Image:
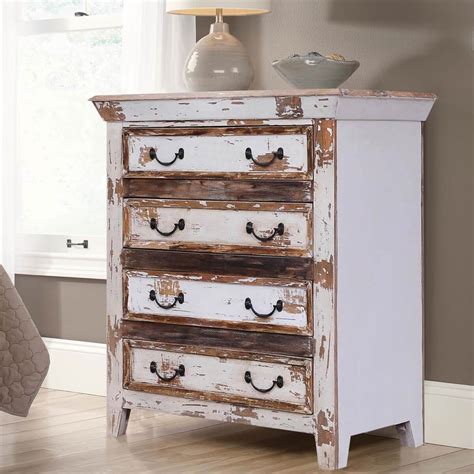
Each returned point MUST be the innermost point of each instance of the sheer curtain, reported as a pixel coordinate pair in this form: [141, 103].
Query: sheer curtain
[155, 46]
[9, 14]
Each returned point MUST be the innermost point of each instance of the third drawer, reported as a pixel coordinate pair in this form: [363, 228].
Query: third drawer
[255, 304]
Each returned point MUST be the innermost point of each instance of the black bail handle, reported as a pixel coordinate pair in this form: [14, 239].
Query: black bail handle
[179, 372]
[276, 307]
[177, 156]
[178, 226]
[276, 383]
[279, 230]
[177, 299]
[279, 154]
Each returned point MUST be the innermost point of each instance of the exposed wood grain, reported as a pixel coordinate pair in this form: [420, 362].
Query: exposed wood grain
[219, 264]
[257, 343]
[220, 190]
[226, 131]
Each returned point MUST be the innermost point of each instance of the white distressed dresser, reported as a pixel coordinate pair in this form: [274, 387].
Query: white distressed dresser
[265, 260]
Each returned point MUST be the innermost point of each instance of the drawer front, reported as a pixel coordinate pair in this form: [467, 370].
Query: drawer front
[209, 374]
[219, 226]
[255, 304]
[238, 152]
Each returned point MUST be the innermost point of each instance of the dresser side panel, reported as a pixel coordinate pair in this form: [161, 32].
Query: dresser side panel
[324, 291]
[117, 417]
[379, 277]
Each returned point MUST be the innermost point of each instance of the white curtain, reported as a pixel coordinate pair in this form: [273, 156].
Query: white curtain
[9, 14]
[155, 46]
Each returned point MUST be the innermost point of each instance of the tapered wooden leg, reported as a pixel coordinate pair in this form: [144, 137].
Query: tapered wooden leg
[411, 433]
[117, 420]
[333, 455]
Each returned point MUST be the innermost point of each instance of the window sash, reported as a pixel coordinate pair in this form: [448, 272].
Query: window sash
[48, 255]
[61, 25]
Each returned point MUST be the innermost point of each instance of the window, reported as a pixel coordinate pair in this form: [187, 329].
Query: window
[63, 60]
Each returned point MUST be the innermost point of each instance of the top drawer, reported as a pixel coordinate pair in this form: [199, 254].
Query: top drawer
[221, 152]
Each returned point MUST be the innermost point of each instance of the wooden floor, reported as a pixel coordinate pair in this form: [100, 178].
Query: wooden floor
[65, 433]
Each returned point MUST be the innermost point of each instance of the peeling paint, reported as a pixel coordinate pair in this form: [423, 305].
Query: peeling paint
[110, 111]
[324, 433]
[324, 273]
[288, 107]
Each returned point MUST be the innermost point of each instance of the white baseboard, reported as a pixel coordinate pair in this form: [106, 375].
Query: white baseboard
[449, 408]
[449, 414]
[76, 366]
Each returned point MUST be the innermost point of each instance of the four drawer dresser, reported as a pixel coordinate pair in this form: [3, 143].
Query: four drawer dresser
[265, 260]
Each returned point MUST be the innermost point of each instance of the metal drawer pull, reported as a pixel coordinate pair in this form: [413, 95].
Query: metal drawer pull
[154, 226]
[276, 307]
[177, 372]
[276, 154]
[278, 382]
[154, 156]
[177, 299]
[276, 231]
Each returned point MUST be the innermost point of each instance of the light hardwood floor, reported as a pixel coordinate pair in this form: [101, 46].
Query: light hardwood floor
[65, 433]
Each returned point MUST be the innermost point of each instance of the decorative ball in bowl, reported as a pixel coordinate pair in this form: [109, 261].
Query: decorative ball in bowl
[315, 71]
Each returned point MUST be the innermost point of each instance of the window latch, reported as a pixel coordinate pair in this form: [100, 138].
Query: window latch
[70, 243]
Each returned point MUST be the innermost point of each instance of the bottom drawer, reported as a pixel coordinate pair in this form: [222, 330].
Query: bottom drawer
[219, 375]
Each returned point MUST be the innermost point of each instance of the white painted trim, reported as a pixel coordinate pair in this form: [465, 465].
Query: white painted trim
[60, 25]
[61, 265]
[76, 366]
[48, 255]
[449, 414]
[449, 408]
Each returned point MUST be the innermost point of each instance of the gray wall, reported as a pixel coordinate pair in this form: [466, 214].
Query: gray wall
[422, 45]
[65, 308]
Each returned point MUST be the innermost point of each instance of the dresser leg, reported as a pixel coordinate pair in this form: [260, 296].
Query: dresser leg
[411, 433]
[331, 456]
[117, 420]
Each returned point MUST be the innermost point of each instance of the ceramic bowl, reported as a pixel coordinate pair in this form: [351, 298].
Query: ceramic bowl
[314, 71]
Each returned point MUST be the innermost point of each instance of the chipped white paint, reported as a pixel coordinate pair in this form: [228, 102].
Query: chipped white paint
[266, 105]
[222, 376]
[374, 189]
[219, 228]
[220, 411]
[325, 385]
[117, 416]
[224, 304]
[217, 123]
[214, 155]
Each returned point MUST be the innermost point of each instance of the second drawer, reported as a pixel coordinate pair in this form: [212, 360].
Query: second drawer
[219, 226]
[257, 304]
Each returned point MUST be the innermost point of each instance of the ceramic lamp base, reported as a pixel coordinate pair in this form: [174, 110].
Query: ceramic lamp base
[218, 62]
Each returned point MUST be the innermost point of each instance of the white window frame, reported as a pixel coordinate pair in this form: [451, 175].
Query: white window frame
[35, 255]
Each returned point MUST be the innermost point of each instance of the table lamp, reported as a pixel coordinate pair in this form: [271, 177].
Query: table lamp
[219, 61]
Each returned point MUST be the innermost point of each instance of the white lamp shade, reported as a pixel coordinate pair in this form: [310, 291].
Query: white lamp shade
[209, 7]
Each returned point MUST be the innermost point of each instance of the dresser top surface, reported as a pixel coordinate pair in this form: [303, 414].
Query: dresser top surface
[310, 104]
[267, 93]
